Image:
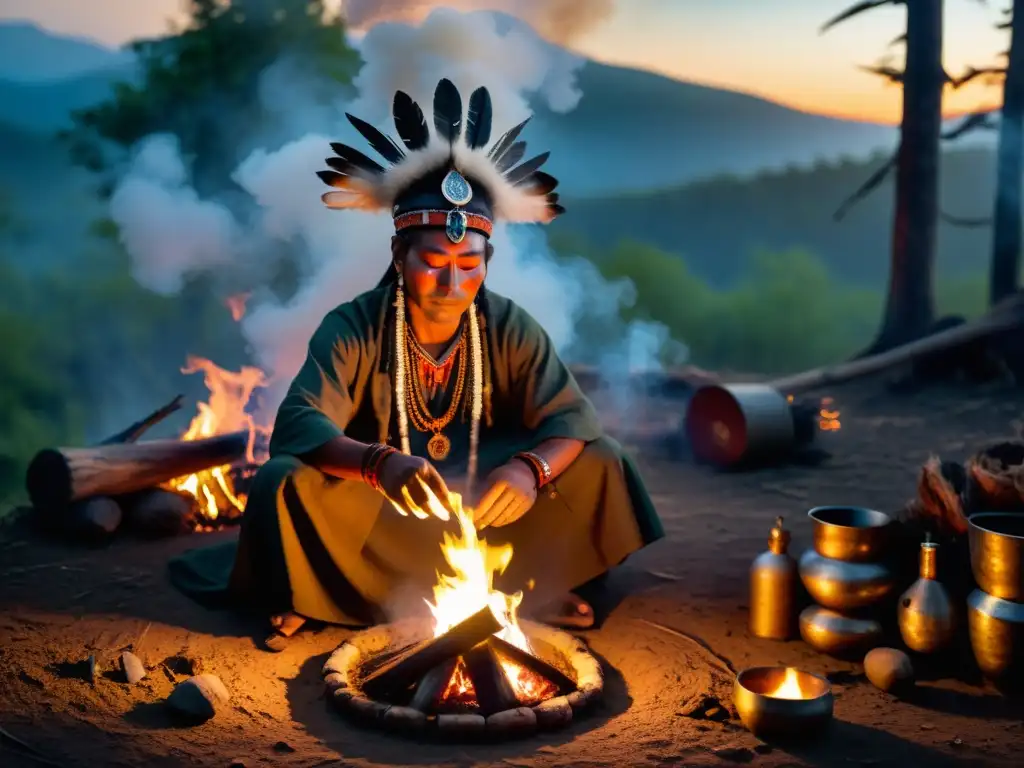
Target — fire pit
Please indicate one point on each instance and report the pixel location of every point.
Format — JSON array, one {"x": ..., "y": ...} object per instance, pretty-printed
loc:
[
  {"x": 475, "y": 669},
  {"x": 400, "y": 678}
]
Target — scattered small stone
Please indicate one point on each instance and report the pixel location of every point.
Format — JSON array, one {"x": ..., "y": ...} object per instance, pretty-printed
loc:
[
  {"x": 512, "y": 721},
  {"x": 927, "y": 727},
  {"x": 553, "y": 712},
  {"x": 132, "y": 667},
  {"x": 735, "y": 754},
  {"x": 283, "y": 746},
  {"x": 713, "y": 712},
  {"x": 198, "y": 698},
  {"x": 889, "y": 670},
  {"x": 956, "y": 741}
]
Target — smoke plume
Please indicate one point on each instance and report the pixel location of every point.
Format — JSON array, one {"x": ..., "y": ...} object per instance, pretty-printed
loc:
[
  {"x": 558, "y": 21},
  {"x": 171, "y": 233}
]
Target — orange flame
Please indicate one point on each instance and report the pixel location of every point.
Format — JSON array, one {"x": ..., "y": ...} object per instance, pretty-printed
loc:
[
  {"x": 828, "y": 416},
  {"x": 789, "y": 688},
  {"x": 223, "y": 413},
  {"x": 457, "y": 596},
  {"x": 236, "y": 305}
]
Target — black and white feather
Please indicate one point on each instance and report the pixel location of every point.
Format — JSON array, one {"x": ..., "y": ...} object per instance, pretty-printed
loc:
[{"x": 519, "y": 192}]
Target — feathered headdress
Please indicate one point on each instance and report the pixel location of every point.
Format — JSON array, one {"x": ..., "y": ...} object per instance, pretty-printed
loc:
[{"x": 446, "y": 179}]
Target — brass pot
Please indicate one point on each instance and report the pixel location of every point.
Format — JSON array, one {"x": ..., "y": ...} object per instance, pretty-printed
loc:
[
  {"x": 769, "y": 717},
  {"x": 829, "y": 632},
  {"x": 844, "y": 586},
  {"x": 996, "y": 628},
  {"x": 853, "y": 534},
  {"x": 997, "y": 549}
]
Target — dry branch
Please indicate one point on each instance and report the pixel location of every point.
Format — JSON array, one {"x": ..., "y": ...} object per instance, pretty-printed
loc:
[
  {"x": 855, "y": 10},
  {"x": 136, "y": 430},
  {"x": 865, "y": 189}
]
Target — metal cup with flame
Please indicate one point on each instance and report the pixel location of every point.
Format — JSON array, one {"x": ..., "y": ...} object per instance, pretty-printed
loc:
[{"x": 782, "y": 702}]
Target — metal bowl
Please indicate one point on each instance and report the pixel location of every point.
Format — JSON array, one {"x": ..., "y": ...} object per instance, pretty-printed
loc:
[
  {"x": 996, "y": 628},
  {"x": 767, "y": 716},
  {"x": 997, "y": 549},
  {"x": 829, "y": 632},
  {"x": 841, "y": 585},
  {"x": 853, "y": 534}
]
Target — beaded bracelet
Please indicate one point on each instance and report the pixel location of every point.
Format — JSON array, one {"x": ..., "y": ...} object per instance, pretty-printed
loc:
[
  {"x": 373, "y": 459},
  {"x": 540, "y": 468}
]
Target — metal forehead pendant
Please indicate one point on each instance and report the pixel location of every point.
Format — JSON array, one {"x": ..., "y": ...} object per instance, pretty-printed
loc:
[{"x": 457, "y": 191}]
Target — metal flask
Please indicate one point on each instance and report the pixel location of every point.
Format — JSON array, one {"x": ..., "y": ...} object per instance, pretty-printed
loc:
[
  {"x": 925, "y": 612},
  {"x": 773, "y": 588}
]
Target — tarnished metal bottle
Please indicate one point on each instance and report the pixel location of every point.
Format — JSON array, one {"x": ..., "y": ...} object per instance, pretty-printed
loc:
[
  {"x": 773, "y": 588},
  {"x": 925, "y": 613}
]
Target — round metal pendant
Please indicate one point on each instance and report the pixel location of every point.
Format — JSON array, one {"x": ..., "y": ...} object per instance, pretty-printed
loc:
[
  {"x": 455, "y": 225},
  {"x": 439, "y": 447},
  {"x": 456, "y": 189}
]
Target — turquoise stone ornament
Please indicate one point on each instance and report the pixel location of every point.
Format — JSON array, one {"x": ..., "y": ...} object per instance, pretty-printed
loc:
[
  {"x": 455, "y": 225},
  {"x": 456, "y": 189}
]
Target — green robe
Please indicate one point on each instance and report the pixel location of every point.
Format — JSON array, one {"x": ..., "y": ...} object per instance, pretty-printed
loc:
[{"x": 335, "y": 550}]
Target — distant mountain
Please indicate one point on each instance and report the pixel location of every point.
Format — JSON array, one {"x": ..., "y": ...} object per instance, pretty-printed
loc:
[
  {"x": 45, "y": 107},
  {"x": 30, "y": 54},
  {"x": 631, "y": 130},
  {"x": 638, "y": 130}
]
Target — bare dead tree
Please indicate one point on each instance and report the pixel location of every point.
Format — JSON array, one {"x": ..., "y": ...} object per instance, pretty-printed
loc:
[
  {"x": 1004, "y": 268},
  {"x": 909, "y": 310}
]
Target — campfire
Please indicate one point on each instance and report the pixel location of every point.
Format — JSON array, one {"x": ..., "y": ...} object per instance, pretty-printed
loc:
[
  {"x": 214, "y": 488},
  {"x": 473, "y": 666}
]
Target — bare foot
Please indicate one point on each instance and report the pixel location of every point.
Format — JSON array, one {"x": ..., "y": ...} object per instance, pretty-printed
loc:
[
  {"x": 285, "y": 626},
  {"x": 569, "y": 612}
]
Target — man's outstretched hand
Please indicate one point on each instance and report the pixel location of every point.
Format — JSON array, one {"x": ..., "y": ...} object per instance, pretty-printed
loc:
[
  {"x": 509, "y": 493},
  {"x": 407, "y": 481}
]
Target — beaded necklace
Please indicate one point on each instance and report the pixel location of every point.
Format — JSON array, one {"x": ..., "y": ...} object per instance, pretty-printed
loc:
[{"x": 406, "y": 388}]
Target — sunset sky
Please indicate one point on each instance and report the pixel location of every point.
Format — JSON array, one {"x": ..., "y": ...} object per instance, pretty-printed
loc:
[{"x": 770, "y": 48}]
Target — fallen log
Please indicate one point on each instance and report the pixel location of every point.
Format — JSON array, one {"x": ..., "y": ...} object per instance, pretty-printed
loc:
[
  {"x": 535, "y": 664},
  {"x": 1004, "y": 317},
  {"x": 157, "y": 512},
  {"x": 56, "y": 477},
  {"x": 135, "y": 431},
  {"x": 406, "y": 669},
  {"x": 493, "y": 688}
]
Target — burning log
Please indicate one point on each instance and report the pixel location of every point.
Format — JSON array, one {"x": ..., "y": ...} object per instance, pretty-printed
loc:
[
  {"x": 493, "y": 688},
  {"x": 56, "y": 477},
  {"x": 402, "y": 672},
  {"x": 535, "y": 664},
  {"x": 432, "y": 686}
]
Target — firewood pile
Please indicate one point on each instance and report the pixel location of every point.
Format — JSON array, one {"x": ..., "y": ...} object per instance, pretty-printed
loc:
[
  {"x": 949, "y": 492},
  {"x": 153, "y": 488}
]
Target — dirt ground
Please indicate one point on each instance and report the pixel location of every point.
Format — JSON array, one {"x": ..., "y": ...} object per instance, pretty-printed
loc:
[{"x": 61, "y": 604}]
